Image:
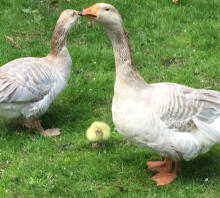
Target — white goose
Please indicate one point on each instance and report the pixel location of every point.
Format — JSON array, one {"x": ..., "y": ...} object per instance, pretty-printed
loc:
[
  {"x": 29, "y": 85},
  {"x": 176, "y": 121}
]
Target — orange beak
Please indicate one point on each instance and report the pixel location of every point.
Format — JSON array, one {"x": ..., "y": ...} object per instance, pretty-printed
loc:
[{"x": 91, "y": 12}]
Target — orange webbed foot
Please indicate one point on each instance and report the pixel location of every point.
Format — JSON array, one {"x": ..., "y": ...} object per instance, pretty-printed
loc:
[
  {"x": 51, "y": 132},
  {"x": 160, "y": 166},
  {"x": 164, "y": 178}
]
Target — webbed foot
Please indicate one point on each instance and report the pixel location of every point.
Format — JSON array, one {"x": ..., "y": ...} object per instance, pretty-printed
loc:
[
  {"x": 160, "y": 166},
  {"x": 51, "y": 132}
]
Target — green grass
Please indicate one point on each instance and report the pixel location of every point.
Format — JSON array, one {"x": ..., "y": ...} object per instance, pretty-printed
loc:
[{"x": 169, "y": 42}]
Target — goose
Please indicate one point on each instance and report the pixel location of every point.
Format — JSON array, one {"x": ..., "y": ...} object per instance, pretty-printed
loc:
[
  {"x": 29, "y": 85},
  {"x": 173, "y": 120}
]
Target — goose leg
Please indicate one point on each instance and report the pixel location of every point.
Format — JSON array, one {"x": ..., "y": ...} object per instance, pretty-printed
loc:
[
  {"x": 159, "y": 166},
  {"x": 35, "y": 124},
  {"x": 164, "y": 178}
]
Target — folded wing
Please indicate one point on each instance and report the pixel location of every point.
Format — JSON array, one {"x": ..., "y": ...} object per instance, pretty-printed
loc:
[
  {"x": 24, "y": 81},
  {"x": 186, "y": 109}
]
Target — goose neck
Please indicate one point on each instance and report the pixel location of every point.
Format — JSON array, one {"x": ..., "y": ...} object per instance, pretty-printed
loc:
[
  {"x": 58, "y": 41},
  {"x": 125, "y": 66}
]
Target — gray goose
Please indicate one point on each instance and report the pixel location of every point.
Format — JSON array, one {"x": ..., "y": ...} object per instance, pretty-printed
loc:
[{"x": 29, "y": 85}]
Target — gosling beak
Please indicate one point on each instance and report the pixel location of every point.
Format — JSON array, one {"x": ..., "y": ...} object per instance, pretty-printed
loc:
[
  {"x": 98, "y": 131},
  {"x": 91, "y": 12}
]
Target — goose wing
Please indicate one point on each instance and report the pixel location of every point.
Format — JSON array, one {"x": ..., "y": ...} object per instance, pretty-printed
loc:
[
  {"x": 186, "y": 109},
  {"x": 24, "y": 80}
]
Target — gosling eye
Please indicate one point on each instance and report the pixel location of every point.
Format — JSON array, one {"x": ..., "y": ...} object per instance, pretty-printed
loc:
[
  {"x": 107, "y": 9},
  {"x": 74, "y": 13}
]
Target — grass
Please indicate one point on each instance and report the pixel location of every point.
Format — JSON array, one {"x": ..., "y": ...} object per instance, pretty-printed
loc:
[{"x": 175, "y": 43}]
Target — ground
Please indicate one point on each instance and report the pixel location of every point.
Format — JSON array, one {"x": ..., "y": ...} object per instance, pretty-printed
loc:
[{"x": 171, "y": 42}]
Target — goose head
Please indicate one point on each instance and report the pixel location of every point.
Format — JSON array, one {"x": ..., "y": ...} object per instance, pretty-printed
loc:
[
  {"x": 105, "y": 14},
  {"x": 68, "y": 18}
]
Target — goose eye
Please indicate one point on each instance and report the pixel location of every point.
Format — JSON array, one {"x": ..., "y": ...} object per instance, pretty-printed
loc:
[{"x": 106, "y": 9}]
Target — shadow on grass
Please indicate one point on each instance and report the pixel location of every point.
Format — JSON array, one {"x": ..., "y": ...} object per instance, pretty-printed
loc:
[{"x": 205, "y": 166}]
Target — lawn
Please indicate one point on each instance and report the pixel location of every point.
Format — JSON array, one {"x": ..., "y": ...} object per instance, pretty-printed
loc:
[{"x": 176, "y": 43}]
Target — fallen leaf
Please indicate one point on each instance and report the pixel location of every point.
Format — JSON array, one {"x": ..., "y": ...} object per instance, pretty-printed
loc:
[
  {"x": 171, "y": 61},
  {"x": 9, "y": 38},
  {"x": 95, "y": 145},
  {"x": 122, "y": 189},
  {"x": 26, "y": 11},
  {"x": 37, "y": 18},
  {"x": 89, "y": 75},
  {"x": 67, "y": 144},
  {"x": 90, "y": 23},
  {"x": 16, "y": 45},
  {"x": 206, "y": 179},
  {"x": 196, "y": 72}
]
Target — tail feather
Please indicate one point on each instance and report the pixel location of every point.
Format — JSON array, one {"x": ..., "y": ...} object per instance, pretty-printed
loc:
[{"x": 211, "y": 130}]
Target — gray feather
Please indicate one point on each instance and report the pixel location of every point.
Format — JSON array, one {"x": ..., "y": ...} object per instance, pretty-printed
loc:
[
  {"x": 188, "y": 109},
  {"x": 24, "y": 80}
]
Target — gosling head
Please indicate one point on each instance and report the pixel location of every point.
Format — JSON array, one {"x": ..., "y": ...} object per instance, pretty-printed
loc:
[
  {"x": 68, "y": 18},
  {"x": 103, "y": 13},
  {"x": 98, "y": 131}
]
